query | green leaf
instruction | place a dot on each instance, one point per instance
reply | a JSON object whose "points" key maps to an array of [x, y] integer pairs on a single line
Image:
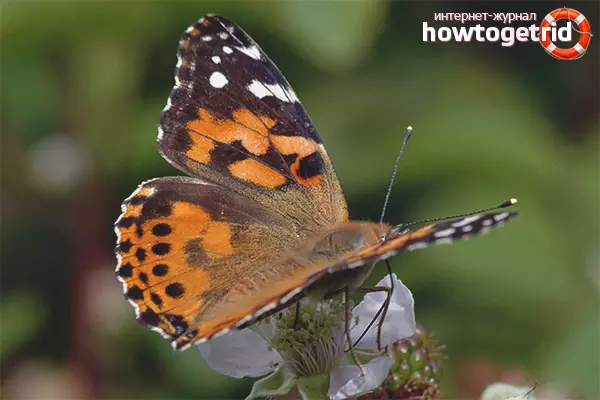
{"points": [[279, 383]]}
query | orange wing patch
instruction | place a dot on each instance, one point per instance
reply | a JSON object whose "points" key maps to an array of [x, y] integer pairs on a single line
{"points": [[201, 148], [253, 132], [240, 305], [307, 153], [246, 127], [216, 240], [256, 172]]}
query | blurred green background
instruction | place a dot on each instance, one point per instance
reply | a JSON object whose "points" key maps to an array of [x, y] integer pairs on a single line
{"points": [[82, 85]]}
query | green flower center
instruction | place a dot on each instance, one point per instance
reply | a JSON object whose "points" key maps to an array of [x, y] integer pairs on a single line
{"points": [[313, 342]]}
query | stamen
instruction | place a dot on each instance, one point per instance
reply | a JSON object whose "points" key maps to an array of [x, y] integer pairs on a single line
{"points": [[315, 345]]}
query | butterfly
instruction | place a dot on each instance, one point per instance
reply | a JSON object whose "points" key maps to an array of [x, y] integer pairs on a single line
{"points": [[260, 220]]}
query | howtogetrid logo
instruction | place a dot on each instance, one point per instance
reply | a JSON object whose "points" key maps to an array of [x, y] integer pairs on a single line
{"points": [[548, 34], [573, 17]]}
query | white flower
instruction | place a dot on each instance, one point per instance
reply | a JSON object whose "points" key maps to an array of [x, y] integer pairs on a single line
{"points": [[505, 391], [248, 353]]}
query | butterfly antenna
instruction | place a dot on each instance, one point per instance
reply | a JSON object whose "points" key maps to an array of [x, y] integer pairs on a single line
{"points": [[507, 203], [389, 191]]}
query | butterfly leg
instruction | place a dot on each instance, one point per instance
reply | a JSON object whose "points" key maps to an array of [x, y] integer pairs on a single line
{"points": [[296, 315], [347, 328], [382, 311]]}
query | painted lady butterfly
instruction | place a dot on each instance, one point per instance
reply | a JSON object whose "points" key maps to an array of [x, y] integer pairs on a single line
{"points": [[261, 219]]}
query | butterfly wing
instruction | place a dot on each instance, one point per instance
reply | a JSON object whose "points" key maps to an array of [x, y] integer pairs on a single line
{"points": [[434, 234], [233, 119], [197, 260], [240, 309], [184, 243]]}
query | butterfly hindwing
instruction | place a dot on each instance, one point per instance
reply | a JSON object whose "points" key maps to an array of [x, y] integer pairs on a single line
{"points": [[292, 279], [233, 119], [182, 244]]}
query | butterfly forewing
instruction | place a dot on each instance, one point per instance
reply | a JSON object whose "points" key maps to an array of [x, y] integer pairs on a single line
{"points": [[441, 233], [233, 119]]}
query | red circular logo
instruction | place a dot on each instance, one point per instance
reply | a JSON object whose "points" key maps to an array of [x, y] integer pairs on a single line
{"points": [[583, 28]]}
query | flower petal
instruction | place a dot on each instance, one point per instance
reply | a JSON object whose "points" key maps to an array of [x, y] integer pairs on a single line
{"points": [[346, 381], [399, 321], [239, 354], [278, 384], [501, 391]]}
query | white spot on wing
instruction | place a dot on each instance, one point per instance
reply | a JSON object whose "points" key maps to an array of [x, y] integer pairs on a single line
{"points": [[501, 216], [252, 51], [216, 59], [466, 221], [223, 35], [168, 105], [417, 246], [206, 38], [290, 295], [227, 50], [445, 232], [217, 80], [260, 90]]}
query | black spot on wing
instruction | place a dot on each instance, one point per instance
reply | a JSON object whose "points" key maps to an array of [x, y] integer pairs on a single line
{"points": [[134, 293], [156, 299], [137, 200], [160, 269], [126, 222], [149, 318], [175, 290], [124, 246], [140, 254], [311, 165], [161, 229], [125, 271], [178, 323], [160, 249], [157, 206], [225, 154], [143, 277]]}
